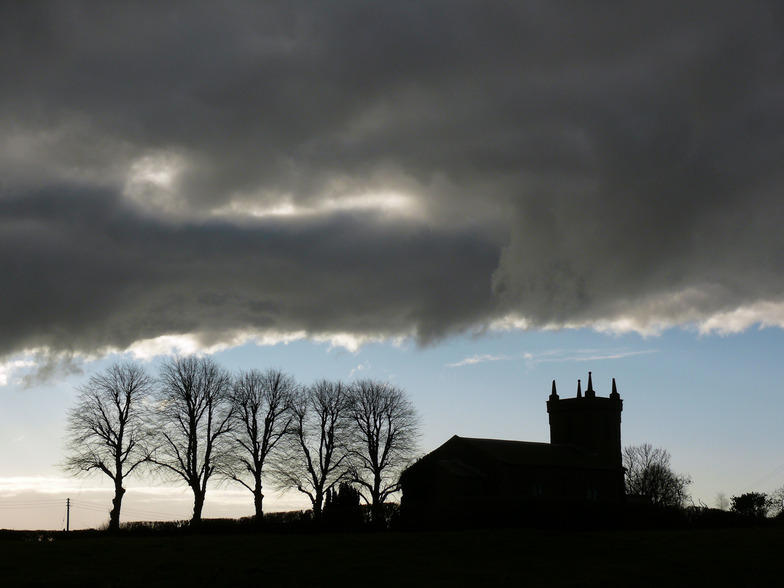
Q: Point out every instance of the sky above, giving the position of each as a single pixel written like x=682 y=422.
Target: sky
x=470 y=199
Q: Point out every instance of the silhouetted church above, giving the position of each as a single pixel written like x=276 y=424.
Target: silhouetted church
x=492 y=478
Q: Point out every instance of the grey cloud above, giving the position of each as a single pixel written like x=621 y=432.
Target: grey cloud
x=90 y=273
x=679 y=196
x=575 y=162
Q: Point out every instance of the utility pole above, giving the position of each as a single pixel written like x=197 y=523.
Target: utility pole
x=67 y=514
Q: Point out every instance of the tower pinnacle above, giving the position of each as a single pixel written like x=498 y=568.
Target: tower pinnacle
x=589 y=392
x=614 y=393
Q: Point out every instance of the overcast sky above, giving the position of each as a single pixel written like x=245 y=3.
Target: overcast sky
x=225 y=172
x=385 y=169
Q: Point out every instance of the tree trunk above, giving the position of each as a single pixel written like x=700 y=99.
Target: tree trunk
x=317 y=506
x=377 y=515
x=114 y=514
x=377 y=506
x=198 y=505
x=258 y=498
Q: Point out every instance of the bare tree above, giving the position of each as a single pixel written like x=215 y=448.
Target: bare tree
x=105 y=430
x=777 y=502
x=261 y=417
x=648 y=474
x=193 y=417
x=386 y=427
x=317 y=452
x=721 y=501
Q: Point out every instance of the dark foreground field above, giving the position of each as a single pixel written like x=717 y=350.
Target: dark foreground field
x=723 y=557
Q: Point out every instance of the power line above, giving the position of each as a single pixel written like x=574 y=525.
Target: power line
x=25 y=504
x=103 y=508
x=146 y=513
x=765 y=478
x=84 y=506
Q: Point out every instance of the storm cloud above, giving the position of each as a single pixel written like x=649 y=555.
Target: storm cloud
x=386 y=169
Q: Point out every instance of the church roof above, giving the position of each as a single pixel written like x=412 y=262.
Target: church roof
x=526 y=453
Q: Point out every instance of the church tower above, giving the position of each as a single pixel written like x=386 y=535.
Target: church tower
x=590 y=422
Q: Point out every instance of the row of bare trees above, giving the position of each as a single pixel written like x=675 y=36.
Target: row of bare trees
x=195 y=422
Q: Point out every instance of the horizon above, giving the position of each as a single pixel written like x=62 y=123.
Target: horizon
x=442 y=386
x=470 y=201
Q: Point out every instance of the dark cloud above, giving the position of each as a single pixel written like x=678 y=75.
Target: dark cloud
x=90 y=273
x=564 y=163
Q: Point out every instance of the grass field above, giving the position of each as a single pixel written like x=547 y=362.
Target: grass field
x=519 y=557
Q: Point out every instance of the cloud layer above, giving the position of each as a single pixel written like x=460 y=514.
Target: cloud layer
x=386 y=169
